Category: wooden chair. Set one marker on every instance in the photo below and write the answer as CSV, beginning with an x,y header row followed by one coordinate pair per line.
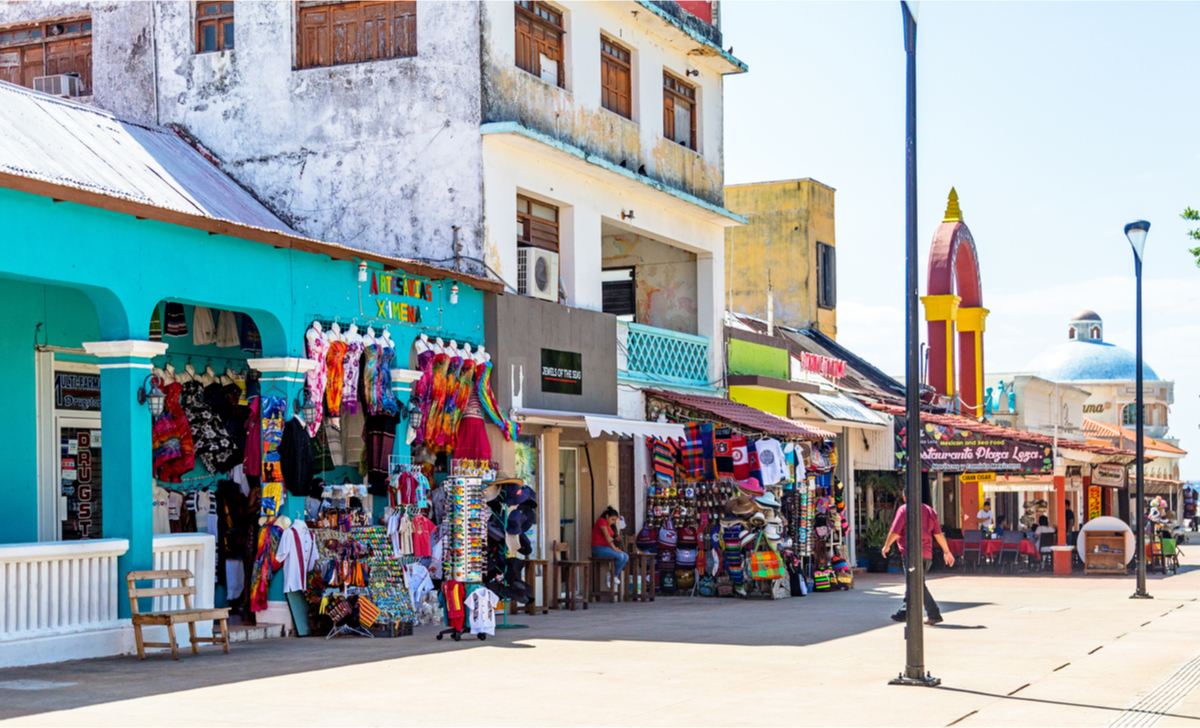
x,y
529,575
603,566
170,617
567,574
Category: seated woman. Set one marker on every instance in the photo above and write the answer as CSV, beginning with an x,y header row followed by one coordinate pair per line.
x,y
1043,527
603,545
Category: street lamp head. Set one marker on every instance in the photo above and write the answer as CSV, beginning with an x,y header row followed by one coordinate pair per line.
x,y
1136,232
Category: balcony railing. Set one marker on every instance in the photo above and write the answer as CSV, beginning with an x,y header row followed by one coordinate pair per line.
x,y
655,355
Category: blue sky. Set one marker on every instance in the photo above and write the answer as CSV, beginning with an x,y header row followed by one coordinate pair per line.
x,y
1056,122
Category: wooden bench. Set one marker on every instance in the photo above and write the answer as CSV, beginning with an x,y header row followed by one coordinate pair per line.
x,y
171,617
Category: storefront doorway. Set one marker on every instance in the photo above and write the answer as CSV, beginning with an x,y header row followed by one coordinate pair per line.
x,y
69,447
568,498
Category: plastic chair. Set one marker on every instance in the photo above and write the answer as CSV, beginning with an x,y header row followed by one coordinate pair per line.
x,y
972,549
1010,549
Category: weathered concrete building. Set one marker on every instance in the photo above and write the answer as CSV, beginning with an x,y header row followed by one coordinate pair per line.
x,y
791,230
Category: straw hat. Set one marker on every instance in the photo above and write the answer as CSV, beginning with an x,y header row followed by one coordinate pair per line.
x,y
740,505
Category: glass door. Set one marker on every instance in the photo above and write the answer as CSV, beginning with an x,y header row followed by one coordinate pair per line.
x,y
80,483
568,498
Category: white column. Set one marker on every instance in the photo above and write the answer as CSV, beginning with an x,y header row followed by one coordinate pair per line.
x,y
641,475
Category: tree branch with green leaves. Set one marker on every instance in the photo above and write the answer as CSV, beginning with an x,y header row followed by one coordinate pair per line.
x,y
1194,234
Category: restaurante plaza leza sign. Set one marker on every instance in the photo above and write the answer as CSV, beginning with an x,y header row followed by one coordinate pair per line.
x,y
950,449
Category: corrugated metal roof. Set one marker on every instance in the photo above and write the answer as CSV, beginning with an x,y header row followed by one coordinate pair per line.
x,y
67,143
744,415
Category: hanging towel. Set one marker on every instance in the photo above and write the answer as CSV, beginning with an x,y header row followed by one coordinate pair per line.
x,y
251,342
693,452
156,328
723,451
203,330
664,463
176,320
752,459
741,462
227,330
708,452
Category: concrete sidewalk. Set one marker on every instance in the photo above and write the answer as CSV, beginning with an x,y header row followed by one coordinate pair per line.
x,y
1027,650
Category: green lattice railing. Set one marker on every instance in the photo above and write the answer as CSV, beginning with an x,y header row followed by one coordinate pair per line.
x,y
661,355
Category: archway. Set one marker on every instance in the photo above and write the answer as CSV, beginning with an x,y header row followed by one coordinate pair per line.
x,y
954,305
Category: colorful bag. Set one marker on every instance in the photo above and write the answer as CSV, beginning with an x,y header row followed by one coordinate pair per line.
x,y
823,579
724,586
707,586
765,565
368,613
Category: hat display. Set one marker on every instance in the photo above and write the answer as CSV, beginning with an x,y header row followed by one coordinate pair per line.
x,y
751,487
757,519
740,505
768,500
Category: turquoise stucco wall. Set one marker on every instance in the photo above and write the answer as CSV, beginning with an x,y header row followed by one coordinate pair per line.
x,y
90,275
67,318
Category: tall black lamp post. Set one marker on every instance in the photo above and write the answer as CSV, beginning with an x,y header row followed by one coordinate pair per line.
x,y
914,566
1136,232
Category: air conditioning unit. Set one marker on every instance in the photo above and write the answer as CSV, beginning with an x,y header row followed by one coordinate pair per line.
x,y
62,84
537,273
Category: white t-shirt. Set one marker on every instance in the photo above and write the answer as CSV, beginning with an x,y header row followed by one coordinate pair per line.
x,y
771,462
417,582
296,563
985,518
482,603
161,520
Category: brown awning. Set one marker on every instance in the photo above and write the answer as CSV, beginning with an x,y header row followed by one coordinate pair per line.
x,y
739,414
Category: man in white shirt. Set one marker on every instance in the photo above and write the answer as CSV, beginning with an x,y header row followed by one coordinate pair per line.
x,y
986,519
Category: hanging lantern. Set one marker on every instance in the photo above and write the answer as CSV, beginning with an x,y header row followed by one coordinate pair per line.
x,y
152,397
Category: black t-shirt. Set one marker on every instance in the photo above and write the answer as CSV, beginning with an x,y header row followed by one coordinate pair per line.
x,y
1070,518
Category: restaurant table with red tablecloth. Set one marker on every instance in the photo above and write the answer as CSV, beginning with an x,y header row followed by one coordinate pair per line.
x,y
990,547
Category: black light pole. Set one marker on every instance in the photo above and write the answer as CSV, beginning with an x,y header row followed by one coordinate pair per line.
x,y
914,636
1136,232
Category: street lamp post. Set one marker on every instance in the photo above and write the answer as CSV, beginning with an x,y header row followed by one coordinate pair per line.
x,y
1136,232
914,566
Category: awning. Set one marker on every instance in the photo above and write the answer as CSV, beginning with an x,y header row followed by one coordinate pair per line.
x,y
598,425
743,415
838,409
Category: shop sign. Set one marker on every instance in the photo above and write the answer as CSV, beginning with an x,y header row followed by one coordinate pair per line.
x,y
80,483
79,392
977,478
1093,501
821,365
562,372
1109,474
1093,409
950,449
399,297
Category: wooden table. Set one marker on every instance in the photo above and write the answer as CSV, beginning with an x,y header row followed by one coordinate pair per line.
x,y
639,579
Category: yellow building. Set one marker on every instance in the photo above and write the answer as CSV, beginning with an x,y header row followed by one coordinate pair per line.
x,y
789,246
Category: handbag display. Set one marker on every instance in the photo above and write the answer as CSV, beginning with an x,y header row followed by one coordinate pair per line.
x,y
765,565
823,580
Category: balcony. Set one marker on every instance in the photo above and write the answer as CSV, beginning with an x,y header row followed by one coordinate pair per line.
x,y
648,355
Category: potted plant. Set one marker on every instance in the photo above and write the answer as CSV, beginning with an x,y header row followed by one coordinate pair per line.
x,y
873,537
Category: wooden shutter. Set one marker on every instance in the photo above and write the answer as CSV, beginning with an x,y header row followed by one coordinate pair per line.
x,y
354,32
375,28
525,51
538,33
71,56
347,22
314,37
404,28
615,78
10,66
32,64
535,230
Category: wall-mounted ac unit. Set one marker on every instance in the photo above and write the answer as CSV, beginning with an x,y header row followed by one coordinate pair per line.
x,y
537,273
62,84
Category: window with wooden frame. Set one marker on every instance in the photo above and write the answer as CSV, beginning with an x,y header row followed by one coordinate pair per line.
x,y
47,48
338,33
619,290
679,111
826,276
537,224
616,84
540,41
214,27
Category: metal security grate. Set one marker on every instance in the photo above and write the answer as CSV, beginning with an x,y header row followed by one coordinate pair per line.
x,y
661,355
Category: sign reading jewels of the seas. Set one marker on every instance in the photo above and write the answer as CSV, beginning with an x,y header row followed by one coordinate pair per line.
x,y
950,449
399,297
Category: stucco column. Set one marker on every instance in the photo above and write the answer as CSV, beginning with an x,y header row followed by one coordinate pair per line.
x,y
941,313
581,261
127,468
970,371
710,309
281,377
548,489
641,475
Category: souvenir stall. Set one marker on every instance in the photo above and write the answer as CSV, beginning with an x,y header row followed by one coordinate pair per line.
x,y
733,509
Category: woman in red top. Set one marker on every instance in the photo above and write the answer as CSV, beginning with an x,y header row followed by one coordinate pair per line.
x,y
603,545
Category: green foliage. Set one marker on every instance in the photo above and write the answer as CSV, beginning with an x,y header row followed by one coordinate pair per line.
x,y
891,483
875,533
1194,234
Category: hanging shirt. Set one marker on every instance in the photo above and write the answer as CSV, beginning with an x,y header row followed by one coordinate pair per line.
x,y
174,511
161,519
417,582
422,533
298,552
771,462
296,458
482,603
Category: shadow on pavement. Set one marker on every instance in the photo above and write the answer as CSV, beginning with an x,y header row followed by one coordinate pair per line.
x,y
1065,703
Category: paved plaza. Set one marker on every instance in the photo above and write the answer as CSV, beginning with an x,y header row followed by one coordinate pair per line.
x,y
1014,650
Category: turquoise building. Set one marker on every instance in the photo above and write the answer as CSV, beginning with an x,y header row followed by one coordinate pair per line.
x,y
106,222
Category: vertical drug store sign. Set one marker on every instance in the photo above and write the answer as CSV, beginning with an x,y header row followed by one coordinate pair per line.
x,y
81,482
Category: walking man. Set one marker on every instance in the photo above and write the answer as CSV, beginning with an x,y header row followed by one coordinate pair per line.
x,y
929,531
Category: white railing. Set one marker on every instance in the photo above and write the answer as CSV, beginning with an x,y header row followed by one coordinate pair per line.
x,y
195,552
58,587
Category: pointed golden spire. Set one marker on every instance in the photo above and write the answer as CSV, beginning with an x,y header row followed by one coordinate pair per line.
x,y
953,214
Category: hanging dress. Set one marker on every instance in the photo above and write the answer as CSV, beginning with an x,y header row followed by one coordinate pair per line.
x,y
462,393
350,366
174,452
318,348
335,377
203,330
227,330
491,405
209,436
443,403
387,399
422,391
370,373
472,442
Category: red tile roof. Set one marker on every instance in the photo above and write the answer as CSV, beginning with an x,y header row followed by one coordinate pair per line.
x,y
1104,429
746,416
966,423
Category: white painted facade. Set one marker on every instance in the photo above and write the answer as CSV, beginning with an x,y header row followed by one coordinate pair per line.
x,y
1041,405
